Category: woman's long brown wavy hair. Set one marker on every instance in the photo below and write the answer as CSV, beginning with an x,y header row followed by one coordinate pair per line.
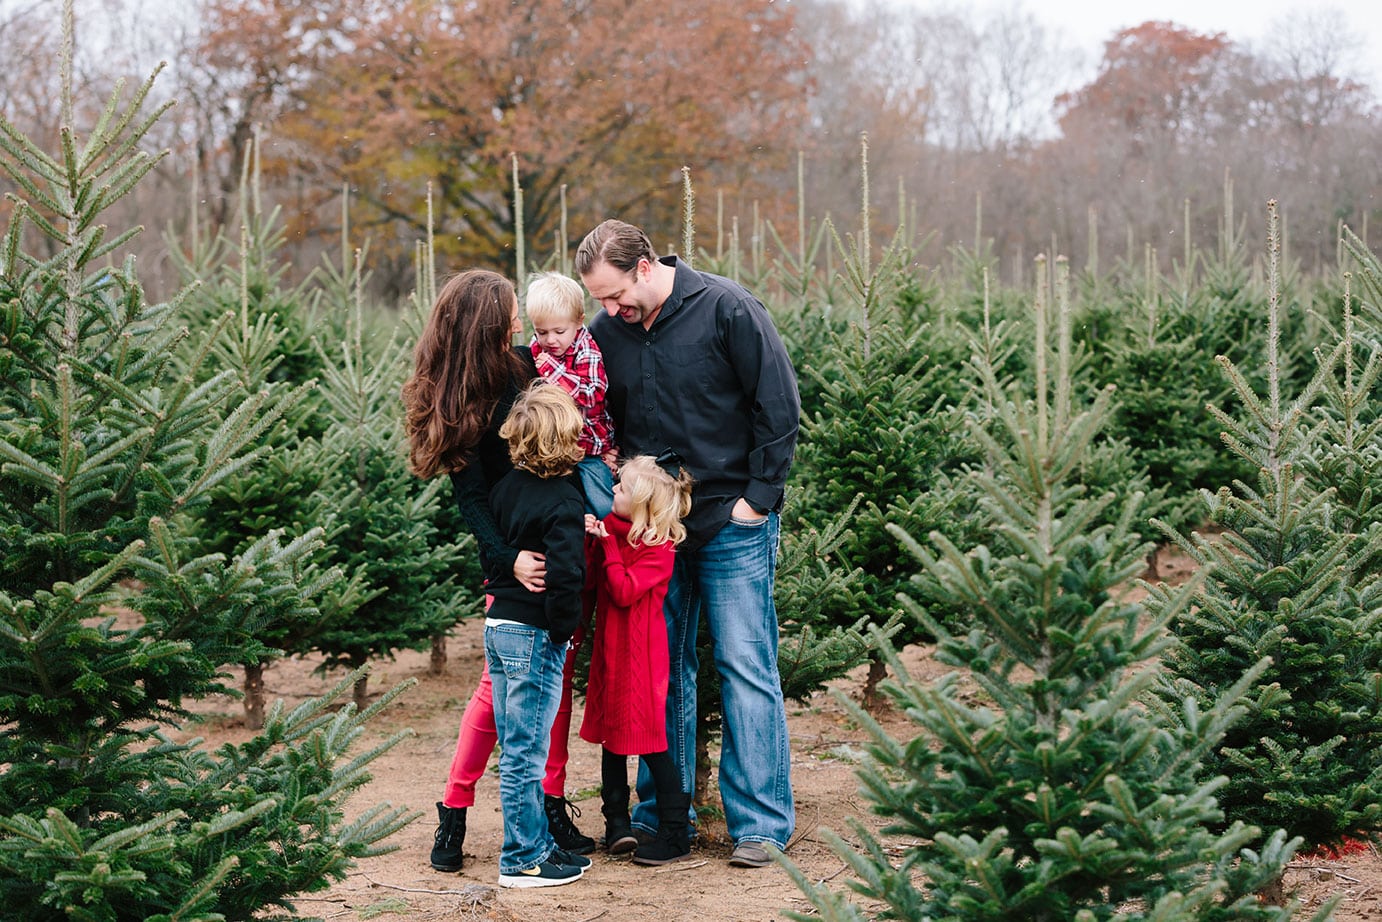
x,y
461,365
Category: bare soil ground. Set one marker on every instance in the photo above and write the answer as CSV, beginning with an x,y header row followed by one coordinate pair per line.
x,y
826,745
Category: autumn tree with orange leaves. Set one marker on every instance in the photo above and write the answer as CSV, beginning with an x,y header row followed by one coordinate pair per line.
x,y
1158,85
1172,111
605,100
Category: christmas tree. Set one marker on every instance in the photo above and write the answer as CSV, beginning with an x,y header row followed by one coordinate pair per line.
x,y
381,521
1293,577
112,618
263,336
1039,785
886,436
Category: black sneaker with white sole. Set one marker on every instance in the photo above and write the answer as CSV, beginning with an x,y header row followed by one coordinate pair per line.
x,y
547,874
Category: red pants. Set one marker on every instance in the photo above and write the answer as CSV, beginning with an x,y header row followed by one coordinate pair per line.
x,y
477,739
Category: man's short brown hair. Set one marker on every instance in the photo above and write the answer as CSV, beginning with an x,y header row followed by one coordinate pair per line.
x,y
617,243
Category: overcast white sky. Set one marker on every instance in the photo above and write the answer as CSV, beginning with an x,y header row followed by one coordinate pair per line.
x,y
1086,24
1089,23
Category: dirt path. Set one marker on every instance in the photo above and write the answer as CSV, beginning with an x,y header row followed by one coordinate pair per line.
x,y
825,744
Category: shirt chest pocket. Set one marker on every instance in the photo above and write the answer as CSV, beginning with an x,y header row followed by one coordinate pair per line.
x,y
688,362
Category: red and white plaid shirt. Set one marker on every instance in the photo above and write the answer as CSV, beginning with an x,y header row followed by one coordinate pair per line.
x,y
581,373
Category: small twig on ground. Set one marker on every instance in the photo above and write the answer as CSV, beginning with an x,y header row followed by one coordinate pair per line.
x,y
681,866
843,868
1317,867
475,892
809,909
822,743
318,899
602,912
803,831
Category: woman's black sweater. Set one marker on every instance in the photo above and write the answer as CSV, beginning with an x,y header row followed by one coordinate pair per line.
x,y
486,466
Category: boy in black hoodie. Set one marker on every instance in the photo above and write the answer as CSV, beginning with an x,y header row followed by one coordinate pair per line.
x,y
538,507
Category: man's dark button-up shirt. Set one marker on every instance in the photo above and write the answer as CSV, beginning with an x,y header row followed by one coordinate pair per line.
x,y
710,380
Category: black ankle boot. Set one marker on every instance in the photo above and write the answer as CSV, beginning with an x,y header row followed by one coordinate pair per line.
x,y
446,847
563,830
671,842
619,838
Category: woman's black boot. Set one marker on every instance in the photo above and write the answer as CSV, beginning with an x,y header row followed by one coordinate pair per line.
x,y
446,847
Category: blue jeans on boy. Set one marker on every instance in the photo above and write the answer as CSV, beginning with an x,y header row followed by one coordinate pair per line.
x,y
730,579
598,483
525,672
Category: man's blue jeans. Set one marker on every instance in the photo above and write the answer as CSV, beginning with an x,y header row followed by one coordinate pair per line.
x,y
730,579
525,672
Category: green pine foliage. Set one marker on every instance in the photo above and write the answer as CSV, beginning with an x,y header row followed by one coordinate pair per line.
x,y
1155,337
270,342
1369,279
801,299
381,526
1293,577
262,336
886,436
1347,455
113,618
1164,386
1039,785
811,588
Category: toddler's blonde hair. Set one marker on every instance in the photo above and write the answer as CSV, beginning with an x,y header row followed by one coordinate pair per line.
x,y
657,501
543,431
553,296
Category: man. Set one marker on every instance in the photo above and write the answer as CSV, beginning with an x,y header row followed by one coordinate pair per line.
x,y
699,377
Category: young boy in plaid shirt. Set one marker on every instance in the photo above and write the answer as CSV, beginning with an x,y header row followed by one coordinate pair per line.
x,y
566,355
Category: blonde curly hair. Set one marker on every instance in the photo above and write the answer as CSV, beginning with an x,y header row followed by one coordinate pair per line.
x,y
657,501
543,431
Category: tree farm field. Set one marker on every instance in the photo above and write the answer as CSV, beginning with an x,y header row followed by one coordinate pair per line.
x,y
827,744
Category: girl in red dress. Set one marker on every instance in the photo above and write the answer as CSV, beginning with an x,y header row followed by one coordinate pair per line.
x,y
626,698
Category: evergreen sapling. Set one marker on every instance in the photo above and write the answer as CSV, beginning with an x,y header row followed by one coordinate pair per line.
x,y
112,617
1292,577
883,442
1039,785
262,337
382,521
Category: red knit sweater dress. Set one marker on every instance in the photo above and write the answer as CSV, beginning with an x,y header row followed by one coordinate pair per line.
x,y
626,697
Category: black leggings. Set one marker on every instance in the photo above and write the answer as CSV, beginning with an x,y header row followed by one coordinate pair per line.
x,y
614,771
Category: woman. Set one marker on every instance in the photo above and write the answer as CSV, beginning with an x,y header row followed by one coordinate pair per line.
x,y
466,374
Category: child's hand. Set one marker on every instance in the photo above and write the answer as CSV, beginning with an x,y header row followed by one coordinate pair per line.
x,y
543,360
611,459
594,526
